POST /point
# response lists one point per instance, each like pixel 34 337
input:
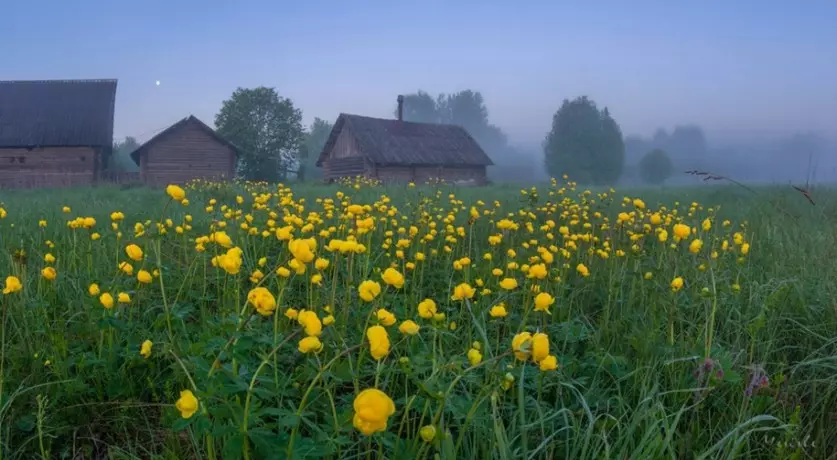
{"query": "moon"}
pixel 157 83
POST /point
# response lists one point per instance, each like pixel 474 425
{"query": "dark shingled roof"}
pixel 191 119
pixel 393 142
pixel 57 113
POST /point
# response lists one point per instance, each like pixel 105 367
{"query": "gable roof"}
pixel 190 120
pixel 57 113
pixel 394 142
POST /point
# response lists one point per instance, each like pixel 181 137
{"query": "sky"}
pixel 737 68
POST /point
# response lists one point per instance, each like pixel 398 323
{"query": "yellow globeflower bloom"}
pixel 676 284
pixel 521 345
pixel 540 346
pixel 428 433
pixel 106 300
pixel 310 322
pixel 508 284
pixel 409 327
pixel 49 258
pixel 582 270
pixel 498 311
pixel 134 252
pixel 177 194
pixel 368 290
pixel 93 289
pixel 144 277
pixel 385 317
pixel 427 308
pixel 49 273
pixel 550 363
pixel 310 344
pixel 187 404
pixel 123 297
pixel 262 300
pixel 145 349
pixel 474 356
pixel 372 410
pixel 543 301
pixel 682 231
pixel 695 246
pixel 463 291
pixel 378 342
pixel 393 278
pixel 12 285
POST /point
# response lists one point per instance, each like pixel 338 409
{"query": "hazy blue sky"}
pixel 735 67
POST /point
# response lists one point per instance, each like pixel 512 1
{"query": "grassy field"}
pixel 372 322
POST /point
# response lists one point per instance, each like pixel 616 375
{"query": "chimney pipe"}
pixel 400 108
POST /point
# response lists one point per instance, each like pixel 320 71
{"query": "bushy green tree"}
pixel 655 167
pixel 585 143
pixel 266 128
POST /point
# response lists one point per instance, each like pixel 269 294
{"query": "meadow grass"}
pixel 741 361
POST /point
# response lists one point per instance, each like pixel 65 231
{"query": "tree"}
pixel 419 107
pixel 655 167
pixel 266 128
pixel 315 139
pixel 585 143
pixel 120 158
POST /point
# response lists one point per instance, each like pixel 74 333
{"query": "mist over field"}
pixel 745 90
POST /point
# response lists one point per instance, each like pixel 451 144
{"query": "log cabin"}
pixel 186 150
pixel 55 133
pixel 401 151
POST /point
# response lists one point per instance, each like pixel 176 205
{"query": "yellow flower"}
pixel 134 252
pixel 498 311
pixel 409 327
pixel 427 308
pixel 262 300
pixel 144 277
pixel 310 323
pixel 474 356
pixel 222 239
pixel 676 284
pixel 123 297
pixel 283 272
pixel 384 317
pixel 521 345
pixel 328 320
pixel 262 262
pixel 310 344
pixel 49 273
pixel 93 290
pixel 378 341
pixel 745 249
pixel 188 403
pixel 656 219
pixel 662 236
pixel 126 268
pixel 550 363
pixel 12 285
pixel 372 410
pixel 681 231
pixel 540 346
pixel 582 270
pixel 543 301
pixel 463 291
pixel 508 284
pixel 49 258
pixel 292 313
pixel 695 246
pixel 537 271
pixel 706 225
pixel 302 250
pixel 177 194
pixel 321 264
pixel 428 433
pixel 145 349
pixel 496 272
pixel 368 290
pixel 66 209
pixel 393 278
pixel 107 300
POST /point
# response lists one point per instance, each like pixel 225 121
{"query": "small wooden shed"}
pixel 402 151
pixel 186 150
pixel 55 133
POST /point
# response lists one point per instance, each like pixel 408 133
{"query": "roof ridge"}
pixel 65 80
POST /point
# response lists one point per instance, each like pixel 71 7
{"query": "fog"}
pixel 744 89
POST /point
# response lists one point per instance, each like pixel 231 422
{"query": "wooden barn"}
pixel 186 150
pixel 55 133
pixel 402 151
